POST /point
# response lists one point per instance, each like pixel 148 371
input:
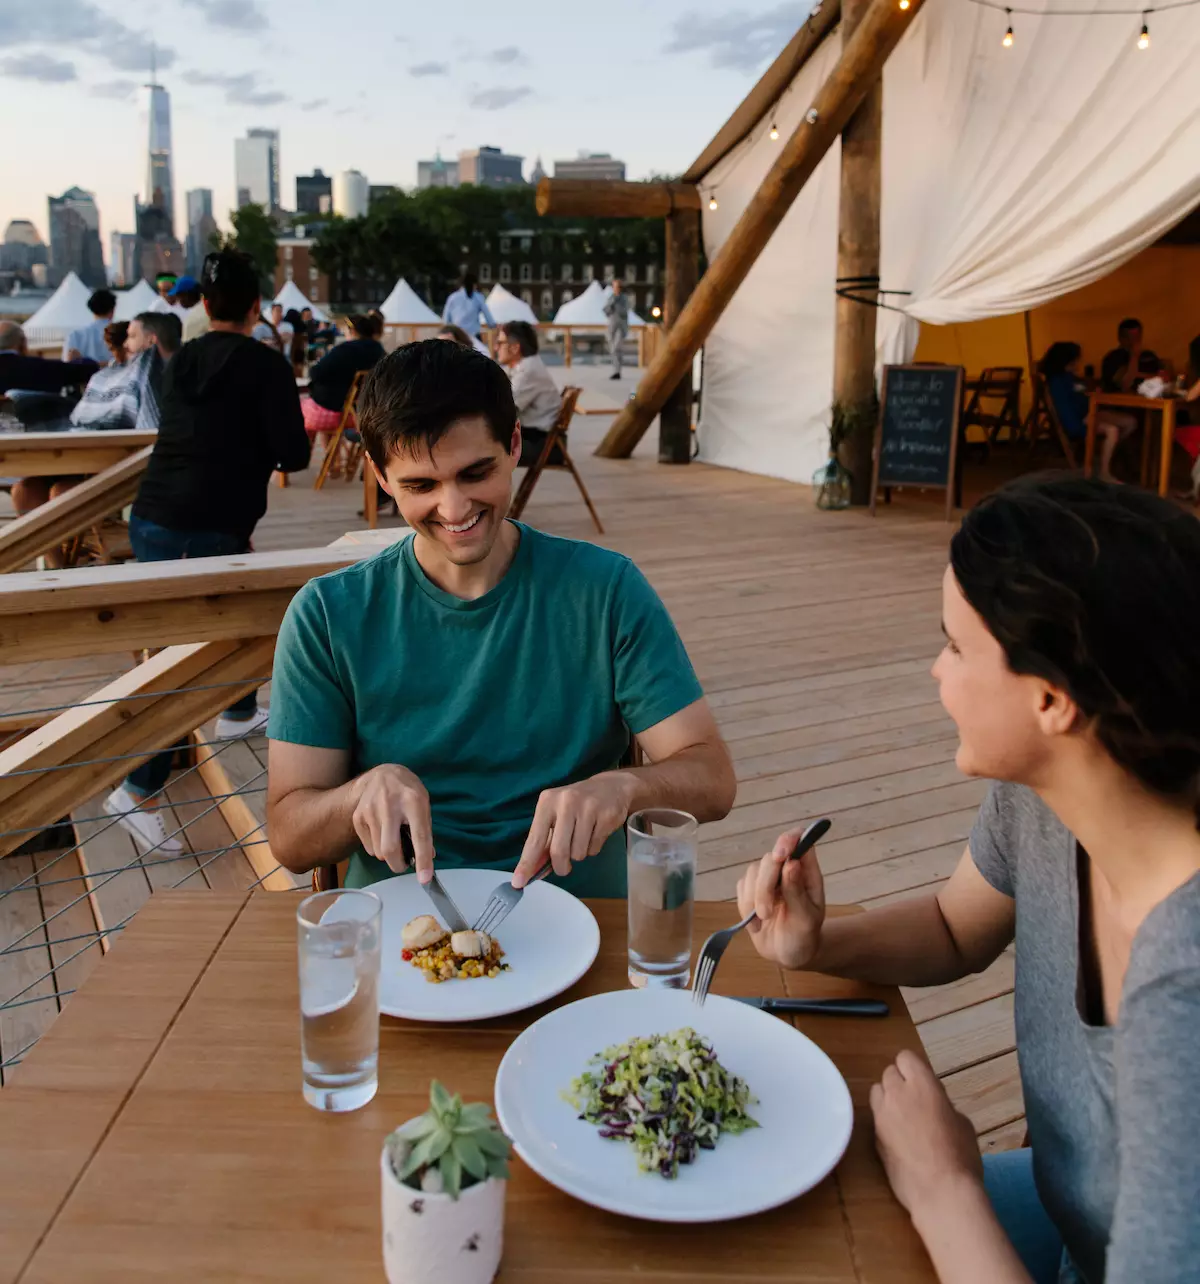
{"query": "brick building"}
pixel 293 262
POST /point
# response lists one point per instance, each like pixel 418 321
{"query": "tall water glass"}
pixel 662 880
pixel 339 945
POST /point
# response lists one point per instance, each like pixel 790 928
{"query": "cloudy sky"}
pixel 372 85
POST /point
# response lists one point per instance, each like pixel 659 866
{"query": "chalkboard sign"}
pixel 916 441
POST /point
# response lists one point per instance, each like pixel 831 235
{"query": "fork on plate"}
pixel 504 900
pixel 718 942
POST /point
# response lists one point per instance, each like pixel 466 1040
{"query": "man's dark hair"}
pixel 1130 323
pixel 187 298
pixel 412 397
pixel 457 333
pixel 1096 589
pixel 365 325
pixel 229 282
pixel 166 327
pixel 1058 357
pixel 469 282
pixel 523 335
pixel 102 303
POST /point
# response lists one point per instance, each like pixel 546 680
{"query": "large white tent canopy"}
pixel 505 306
pixel 1011 176
pixel 142 297
pixel 291 296
pixel 404 306
pixel 588 308
pixel 66 309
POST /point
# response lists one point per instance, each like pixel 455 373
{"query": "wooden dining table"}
pixel 157 1132
pixel 1166 407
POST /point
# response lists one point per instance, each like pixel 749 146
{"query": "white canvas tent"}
pixel 404 306
pixel 291 296
pixel 1008 181
pixel 65 310
pixel 588 308
pixel 505 306
pixel 142 297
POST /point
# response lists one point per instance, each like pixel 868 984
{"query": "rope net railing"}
pixel 69 887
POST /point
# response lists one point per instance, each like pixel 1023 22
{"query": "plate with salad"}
pixel 642 1104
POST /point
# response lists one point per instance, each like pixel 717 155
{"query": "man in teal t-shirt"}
pixel 478 681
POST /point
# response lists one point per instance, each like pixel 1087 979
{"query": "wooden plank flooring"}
pixel 813 634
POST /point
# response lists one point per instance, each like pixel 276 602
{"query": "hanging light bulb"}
pixel 1144 38
pixel 1007 42
pixel 905 3
pixel 656 311
pixel 774 133
pixel 712 202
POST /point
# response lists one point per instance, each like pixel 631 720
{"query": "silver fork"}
pixel 718 942
pixel 504 900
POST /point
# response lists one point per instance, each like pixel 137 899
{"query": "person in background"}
pixel 1071 611
pixel 1120 370
pixel 461 337
pixel 479 619
pixel 87 342
pixel 21 372
pixel 185 295
pixel 297 349
pixel 616 309
pixel 1060 368
pixel 1187 418
pixel 230 416
pixel 264 332
pixel 284 326
pixel 537 397
pixel 331 377
pixel 466 306
pixel 116 339
pixel 164 283
pixel 161 330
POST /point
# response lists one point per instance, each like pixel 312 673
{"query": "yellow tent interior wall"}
pixel 1160 286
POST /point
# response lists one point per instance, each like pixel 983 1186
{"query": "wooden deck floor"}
pixel 813 634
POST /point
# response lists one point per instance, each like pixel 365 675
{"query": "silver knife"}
pixel 451 915
pixel 824 1007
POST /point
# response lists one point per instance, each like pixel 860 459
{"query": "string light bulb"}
pixel 1007 42
pixel 712 202
pixel 774 133
pixel 1144 38
pixel 656 311
pixel 905 3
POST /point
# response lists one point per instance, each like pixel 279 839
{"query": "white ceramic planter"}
pixel 433 1239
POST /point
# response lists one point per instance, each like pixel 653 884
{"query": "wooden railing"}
pixel 552 336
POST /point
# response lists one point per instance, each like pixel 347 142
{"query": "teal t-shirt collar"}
pixel 516 572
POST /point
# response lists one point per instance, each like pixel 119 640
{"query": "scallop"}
pixel 470 945
pixel 422 931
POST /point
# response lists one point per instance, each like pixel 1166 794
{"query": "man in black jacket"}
pixel 230 416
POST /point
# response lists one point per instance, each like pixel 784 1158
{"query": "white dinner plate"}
pixel 803 1108
pixel 549 941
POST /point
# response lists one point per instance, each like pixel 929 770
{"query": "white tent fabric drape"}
pixel 1010 177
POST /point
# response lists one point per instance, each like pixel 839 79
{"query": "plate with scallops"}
pixel 432 974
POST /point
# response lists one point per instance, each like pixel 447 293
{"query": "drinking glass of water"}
pixel 339 943
pixel 662 878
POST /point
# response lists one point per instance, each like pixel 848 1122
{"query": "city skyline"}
pixel 682 66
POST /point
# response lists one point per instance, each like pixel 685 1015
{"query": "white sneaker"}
pixel 149 828
pixel 228 728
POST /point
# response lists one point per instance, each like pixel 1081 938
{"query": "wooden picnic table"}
pixel 157 1132
pixel 75 453
pixel 1134 401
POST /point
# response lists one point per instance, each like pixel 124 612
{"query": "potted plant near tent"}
pixel 444 1178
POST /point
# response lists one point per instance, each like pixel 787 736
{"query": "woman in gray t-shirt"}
pixel 1072 671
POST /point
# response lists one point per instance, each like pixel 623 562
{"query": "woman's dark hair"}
pixel 411 398
pixel 229 282
pixel 115 334
pixel 365 325
pixel 1058 357
pixel 458 334
pixel 1096 588
pixel 523 335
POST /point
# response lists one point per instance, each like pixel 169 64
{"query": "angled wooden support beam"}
pixel 609 198
pixel 861 63
pixel 45 774
pixel 72 513
pixel 66 454
pixel 57 615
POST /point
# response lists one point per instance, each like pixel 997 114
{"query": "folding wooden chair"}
pixel 556 439
pixel 1043 421
pixel 342 455
pixel 995 402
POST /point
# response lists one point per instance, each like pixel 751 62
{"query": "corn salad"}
pixel 440 963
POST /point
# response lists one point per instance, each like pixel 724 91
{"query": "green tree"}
pixel 254 234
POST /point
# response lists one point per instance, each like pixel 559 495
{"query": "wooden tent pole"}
pixel 858 265
pixel 683 272
pixel 862 60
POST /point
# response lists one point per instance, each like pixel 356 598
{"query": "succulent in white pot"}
pixel 444 1176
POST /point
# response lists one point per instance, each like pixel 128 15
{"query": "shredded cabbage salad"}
pixel 666 1094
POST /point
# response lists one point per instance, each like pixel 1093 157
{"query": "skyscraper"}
pixel 310 189
pixel 490 167
pixel 154 210
pixel 256 169
pixel 122 260
pixel 351 194
pixel 200 227
pixel 75 238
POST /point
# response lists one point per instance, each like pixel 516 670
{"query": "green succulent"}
pixel 449 1147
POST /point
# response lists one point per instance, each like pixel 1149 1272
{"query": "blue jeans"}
pixel 1008 1179
pixel 154 543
